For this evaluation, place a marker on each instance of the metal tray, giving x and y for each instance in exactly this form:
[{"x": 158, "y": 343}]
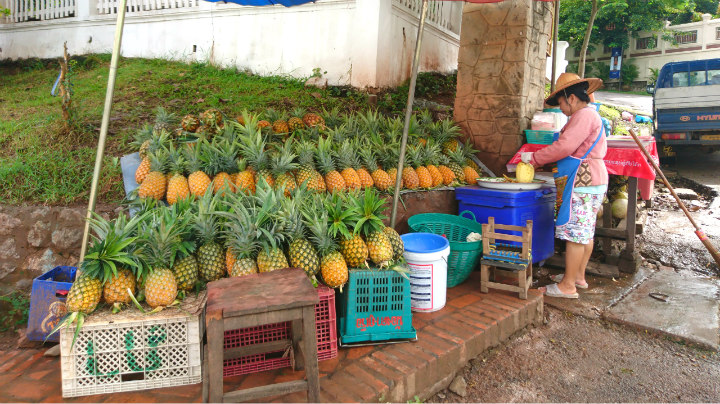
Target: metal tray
[{"x": 501, "y": 183}]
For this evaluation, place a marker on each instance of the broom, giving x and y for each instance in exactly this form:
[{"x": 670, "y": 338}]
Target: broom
[{"x": 698, "y": 231}]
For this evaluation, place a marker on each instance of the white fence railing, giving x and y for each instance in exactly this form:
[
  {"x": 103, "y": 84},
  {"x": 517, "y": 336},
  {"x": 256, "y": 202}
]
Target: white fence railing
[
  {"x": 440, "y": 13},
  {"x": 105, "y": 7},
  {"x": 38, "y": 10}
]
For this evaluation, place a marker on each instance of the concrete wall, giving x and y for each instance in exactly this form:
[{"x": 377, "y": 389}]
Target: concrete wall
[
  {"x": 364, "y": 43},
  {"x": 707, "y": 46}
]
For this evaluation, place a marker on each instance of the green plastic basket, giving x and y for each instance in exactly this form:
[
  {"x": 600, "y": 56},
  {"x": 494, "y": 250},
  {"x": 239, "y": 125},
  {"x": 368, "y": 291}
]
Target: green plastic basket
[{"x": 464, "y": 255}]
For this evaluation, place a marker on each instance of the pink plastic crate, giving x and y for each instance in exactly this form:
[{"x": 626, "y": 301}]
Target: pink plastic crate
[{"x": 325, "y": 321}]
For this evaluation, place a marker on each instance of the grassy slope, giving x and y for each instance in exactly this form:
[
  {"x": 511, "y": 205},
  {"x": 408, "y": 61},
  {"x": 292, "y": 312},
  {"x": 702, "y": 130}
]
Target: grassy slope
[{"x": 41, "y": 164}]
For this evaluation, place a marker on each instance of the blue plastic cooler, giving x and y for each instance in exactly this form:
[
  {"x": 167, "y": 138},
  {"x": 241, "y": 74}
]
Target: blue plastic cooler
[{"x": 514, "y": 208}]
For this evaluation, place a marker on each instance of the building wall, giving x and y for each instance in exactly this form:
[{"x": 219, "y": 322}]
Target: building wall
[
  {"x": 706, "y": 46},
  {"x": 364, "y": 43}
]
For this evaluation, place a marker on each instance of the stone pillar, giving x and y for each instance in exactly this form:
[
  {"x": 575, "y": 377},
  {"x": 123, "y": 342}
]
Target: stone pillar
[{"x": 501, "y": 74}]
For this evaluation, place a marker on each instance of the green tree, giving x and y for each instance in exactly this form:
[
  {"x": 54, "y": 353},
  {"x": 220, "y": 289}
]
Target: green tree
[{"x": 608, "y": 22}]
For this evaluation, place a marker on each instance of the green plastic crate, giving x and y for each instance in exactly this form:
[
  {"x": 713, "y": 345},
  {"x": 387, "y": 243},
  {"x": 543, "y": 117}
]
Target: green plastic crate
[{"x": 375, "y": 307}]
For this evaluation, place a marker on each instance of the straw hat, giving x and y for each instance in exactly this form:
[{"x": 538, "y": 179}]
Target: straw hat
[{"x": 569, "y": 79}]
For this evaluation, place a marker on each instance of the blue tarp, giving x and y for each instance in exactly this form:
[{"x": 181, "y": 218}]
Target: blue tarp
[{"x": 286, "y": 3}]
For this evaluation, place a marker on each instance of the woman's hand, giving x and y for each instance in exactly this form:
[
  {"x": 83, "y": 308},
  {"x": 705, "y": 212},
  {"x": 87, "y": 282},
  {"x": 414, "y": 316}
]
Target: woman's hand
[{"x": 526, "y": 157}]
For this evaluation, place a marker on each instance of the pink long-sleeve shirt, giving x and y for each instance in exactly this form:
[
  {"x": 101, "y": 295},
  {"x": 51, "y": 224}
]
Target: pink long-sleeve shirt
[{"x": 575, "y": 139}]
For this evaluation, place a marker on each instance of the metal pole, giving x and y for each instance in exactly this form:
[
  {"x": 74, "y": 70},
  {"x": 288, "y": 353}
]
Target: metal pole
[
  {"x": 408, "y": 113},
  {"x": 556, "y": 22},
  {"x": 105, "y": 124}
]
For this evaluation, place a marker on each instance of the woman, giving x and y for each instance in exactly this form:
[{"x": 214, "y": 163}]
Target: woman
[{"x": 581, "y": 179}]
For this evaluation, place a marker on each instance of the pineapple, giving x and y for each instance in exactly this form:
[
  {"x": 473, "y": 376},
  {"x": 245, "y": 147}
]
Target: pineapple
[
  {"x": 154, "y": 142},
  {"x": 186, "y": 266},
  {"x": 211, "y": 265},
  {"x": 447, "y": 134},
  {"x": 155, "y": 183},
  {"x": 271, "y": 256},
  {"x": 177, "y": 187},
  {"x": 164, "y": 121},
  {"x": 212, "y": 119},
  {"x": 344, "y": 216},
  {"x": 417, "y": 158},
  {"x": 457, "y": 158},
  {"x": 312, "y": 120},
  {"x": 279, "y": 122},
  {"x": 380, "y": 178},
  {"x": 470, "y": 173},
  {"x": 198, "y": 180},
  {"x": 162, "y": 242},
  {"x": 366, "y": 179},
  {"x": 142, "y": 140},
  {"x": 447, "y": 174},
  {"x": 371, "y": 122},
  {"x": 346, "y": 160},
  {"x": 307, "y": 174},
  {"x": 333, "y": 180},
  {"x": 431, "y": 157},
  {"x": 371, "y": 226},
  {"x": 190, "y": 123},
  {"x": 295, "y": 123},
  {"x": 282, "y": 165},
  {"x": 396, "y": 241},
  {"x": 332, "y": 119},
  {"x": 241, "y": 235},
  {"x": 333, "y": 268},
  {"x": 221, "y": 163},
  {"x": 253, "y": 150},
  {"x": 410, "y": 178},
  {"x": 300, "y": 251},
  {"x": 112, "y": 261},
  {"x": 245, "y": 179}
]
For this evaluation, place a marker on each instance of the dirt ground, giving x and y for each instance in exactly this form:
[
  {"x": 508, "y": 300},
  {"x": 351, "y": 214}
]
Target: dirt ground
[{"x": 574, "y": 359}]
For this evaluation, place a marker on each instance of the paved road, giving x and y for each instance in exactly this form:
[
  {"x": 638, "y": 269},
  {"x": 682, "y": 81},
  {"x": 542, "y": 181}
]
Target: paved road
[{"x": 639, "y": 103}]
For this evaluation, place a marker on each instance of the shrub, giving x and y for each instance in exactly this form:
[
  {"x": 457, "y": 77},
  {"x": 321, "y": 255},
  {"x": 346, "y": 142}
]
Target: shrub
[{"x": 629, "y": 73}]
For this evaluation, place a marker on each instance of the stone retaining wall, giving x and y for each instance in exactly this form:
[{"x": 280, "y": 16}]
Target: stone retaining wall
[{"x": 35, "y": 239}]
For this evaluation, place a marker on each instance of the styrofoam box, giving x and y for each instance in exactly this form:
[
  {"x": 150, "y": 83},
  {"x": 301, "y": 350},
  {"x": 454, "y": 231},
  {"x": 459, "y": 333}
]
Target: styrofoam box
[{"x": 130, "y": 351}]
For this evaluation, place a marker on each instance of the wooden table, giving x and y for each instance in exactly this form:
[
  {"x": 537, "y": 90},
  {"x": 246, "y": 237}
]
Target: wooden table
[{"x": 259, "y": 299}]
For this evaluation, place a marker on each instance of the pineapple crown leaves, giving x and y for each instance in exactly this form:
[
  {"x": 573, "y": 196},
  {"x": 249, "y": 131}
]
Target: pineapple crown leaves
[
  {"x": 292, "y": 210},
  {"x": 206, "y": 218},
  {"x": 159, "y": 160},
  {"x": 372, "y": 121},
  {"x": 416, "y": 156},
  {"x": 143, "y": 134},
  {"x": 163, "y": 238},
  {"x": 165, "y": 118},
  {"x": 252, "y": 148},
  {"x": 345, "y": 156},
  {"x": 368, "y": 157},
  {"x": 457, "y": 156},
  {"x": 426, "y": 118},
  {"x": 333, "y": 118},
  {"x": 317, "y": 220},
  {"x": 112, "y": 246},
  {"x": 371, "y": 207},
  {"x": 283, "y": 158},
  {"x": 193, "y": 157},
  {"x": 297, "y": 112},
  {"x": 325, "y": 160},
  {"x": 221, "y": 157},
  {"x": 272, "y": 228},
  {"x": 176, "y": 164},
  {"x": 243, "y": 217},
  {"x": 343, "y": 217},
  {"x": 273, "y": 115},
  {"x": 305, "y": 152}
]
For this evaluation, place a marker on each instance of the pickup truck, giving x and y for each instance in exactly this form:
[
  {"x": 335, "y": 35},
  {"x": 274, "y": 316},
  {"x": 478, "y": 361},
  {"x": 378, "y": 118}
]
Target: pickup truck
[{"x": 686, "y": 105}]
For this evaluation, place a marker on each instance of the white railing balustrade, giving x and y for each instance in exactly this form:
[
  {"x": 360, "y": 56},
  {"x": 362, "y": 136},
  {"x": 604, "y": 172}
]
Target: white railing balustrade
[
  {"x": 38, "y": 10},
  {"x": 105, "y": 7},
  {"x": 444, "y": 14}
]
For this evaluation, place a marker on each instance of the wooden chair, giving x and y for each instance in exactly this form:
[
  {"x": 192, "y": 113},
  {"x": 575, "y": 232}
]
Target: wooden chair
[
  {"x": 513, "y": 259},
  {"x": 254, "y": 300}
]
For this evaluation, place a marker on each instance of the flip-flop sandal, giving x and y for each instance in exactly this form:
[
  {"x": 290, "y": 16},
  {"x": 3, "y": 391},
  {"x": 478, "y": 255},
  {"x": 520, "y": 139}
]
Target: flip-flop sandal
[
  {"x": 552, "y": 290},
  {"x": 559, "y": 277}
]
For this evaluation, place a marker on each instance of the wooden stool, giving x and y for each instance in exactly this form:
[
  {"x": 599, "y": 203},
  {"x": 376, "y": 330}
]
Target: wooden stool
[
  {"x": 259, "y": 299},
  {"x": 512, "y": 259}
]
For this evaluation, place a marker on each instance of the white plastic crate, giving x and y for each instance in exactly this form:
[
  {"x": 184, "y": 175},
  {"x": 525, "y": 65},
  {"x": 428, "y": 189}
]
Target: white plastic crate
[{"x": 132, "y": 351}]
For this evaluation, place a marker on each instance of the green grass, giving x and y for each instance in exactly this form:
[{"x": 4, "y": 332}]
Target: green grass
[
  {"x": 625, "y": 92},
  {"x": 40, "y": 163}
]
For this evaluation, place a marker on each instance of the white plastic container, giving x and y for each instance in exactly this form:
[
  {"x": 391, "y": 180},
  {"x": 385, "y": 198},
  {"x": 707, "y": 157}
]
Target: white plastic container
[{"x": 426, "y": 255}]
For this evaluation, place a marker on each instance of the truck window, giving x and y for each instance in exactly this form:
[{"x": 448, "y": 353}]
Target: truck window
[
  {"x": 714, "y": 76},
  {"x": 680, "y": 79},
  {"x": 696, "y": 78}
]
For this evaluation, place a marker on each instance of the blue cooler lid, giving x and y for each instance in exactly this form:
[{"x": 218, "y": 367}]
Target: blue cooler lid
[
  {"x": 424, "y": 242},
  {"x": 476, "y": 195}
]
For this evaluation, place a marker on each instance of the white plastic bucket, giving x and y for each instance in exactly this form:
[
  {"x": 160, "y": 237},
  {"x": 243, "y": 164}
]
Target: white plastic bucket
[{"x": 426, "y": 255}]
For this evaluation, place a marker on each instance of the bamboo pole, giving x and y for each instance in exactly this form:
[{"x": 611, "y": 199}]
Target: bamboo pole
[
  {"x": 408, "y": 113},
  {"x": 104, "y": 125}
]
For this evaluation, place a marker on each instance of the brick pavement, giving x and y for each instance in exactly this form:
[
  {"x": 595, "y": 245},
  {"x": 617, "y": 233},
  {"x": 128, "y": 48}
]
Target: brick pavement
[{"x": 470, "y": 323}]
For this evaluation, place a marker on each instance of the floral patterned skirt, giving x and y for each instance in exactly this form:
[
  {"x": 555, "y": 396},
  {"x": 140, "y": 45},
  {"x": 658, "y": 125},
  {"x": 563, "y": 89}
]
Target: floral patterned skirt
[{"x": 583, "y": 213}]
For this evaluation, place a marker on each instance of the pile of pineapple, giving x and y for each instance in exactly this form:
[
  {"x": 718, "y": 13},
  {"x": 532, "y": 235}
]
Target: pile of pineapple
[
  {"x": 337, "y": 152},
  {"x": 166, "y": 250}
]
